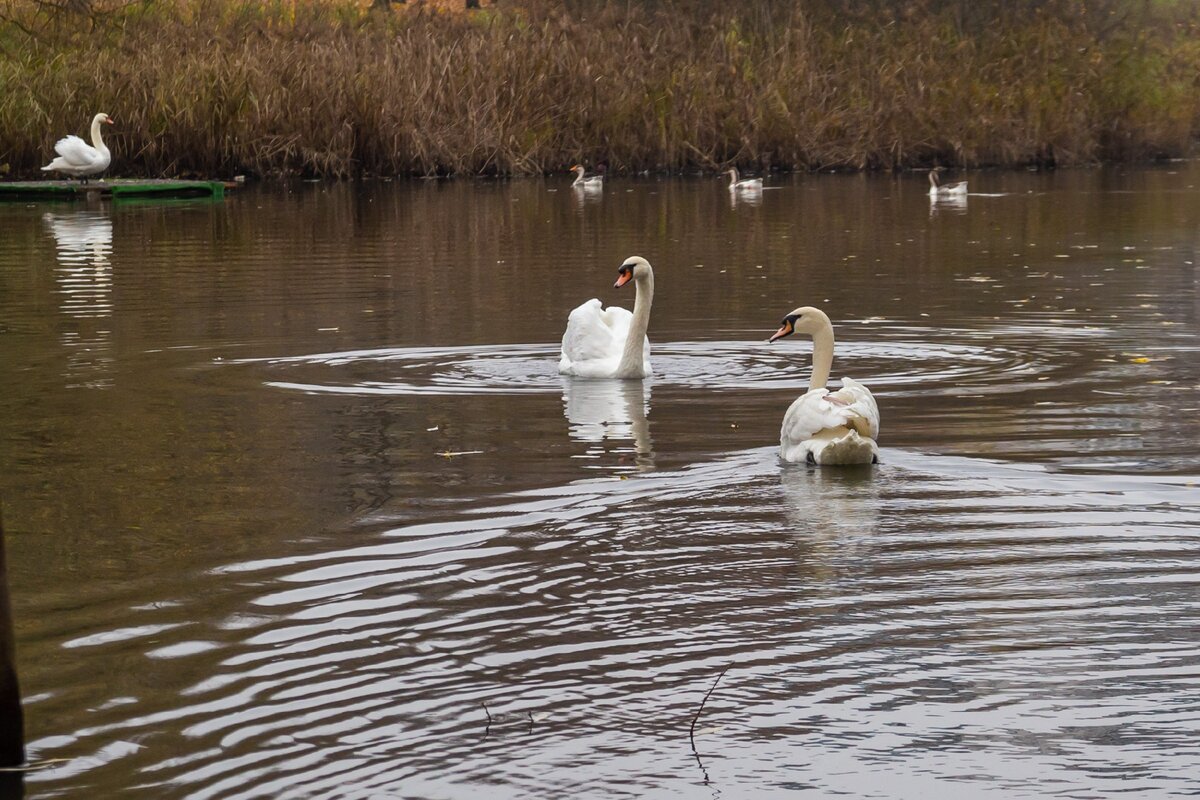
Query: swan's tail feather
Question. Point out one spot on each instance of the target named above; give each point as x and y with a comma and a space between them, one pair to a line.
848, 449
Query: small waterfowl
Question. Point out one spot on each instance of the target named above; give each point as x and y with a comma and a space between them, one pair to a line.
611, 342
824, 427
736, 184
938, 189
585, 181
77, 158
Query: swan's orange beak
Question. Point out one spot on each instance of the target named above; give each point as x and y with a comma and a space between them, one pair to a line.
623, 279
786, 330
109, 120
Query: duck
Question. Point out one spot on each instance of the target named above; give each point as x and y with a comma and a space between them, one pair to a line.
611, 342
823, 427
736, 184
937, 189
77, 158
584, 181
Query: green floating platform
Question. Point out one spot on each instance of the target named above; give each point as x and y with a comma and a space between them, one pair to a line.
73, 190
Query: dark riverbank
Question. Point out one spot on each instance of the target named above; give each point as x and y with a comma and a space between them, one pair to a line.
216, 87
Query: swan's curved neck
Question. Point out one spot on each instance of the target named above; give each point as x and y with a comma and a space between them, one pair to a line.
933, 179
822, 359
632, 359
733, 176
97, 141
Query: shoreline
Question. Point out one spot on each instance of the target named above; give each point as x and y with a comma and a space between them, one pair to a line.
235, 182
331, 89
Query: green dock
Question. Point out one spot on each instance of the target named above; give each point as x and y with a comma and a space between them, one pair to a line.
20, 191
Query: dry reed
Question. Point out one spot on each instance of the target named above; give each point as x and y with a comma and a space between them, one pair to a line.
337, 89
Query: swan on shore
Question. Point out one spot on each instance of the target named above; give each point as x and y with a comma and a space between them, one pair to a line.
823, 427
938, 189
77, 158
585, 181
737, 184
611, 342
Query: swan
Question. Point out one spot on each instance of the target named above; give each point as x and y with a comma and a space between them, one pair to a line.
823, 427
738, 185
611, 343
77, 158
588, 182
936, 189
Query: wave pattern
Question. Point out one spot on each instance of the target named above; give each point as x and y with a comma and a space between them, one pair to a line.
937, 622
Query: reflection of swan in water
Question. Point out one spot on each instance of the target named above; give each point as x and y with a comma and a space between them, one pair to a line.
610, 410
956, 203
834, 514
83, 238
745, 199
83, 245
832, 501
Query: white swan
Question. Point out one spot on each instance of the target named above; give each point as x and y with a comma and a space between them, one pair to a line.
823, 427
588, 182
738, 185
936, 189
77, 158
611, 342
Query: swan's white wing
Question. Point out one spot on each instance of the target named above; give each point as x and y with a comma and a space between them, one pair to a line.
862, 413
810, 414
852, 408
593, 334
76, 152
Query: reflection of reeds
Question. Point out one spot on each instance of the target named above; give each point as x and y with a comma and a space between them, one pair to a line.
333, 88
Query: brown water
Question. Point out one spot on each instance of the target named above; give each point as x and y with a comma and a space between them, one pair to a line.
296, 499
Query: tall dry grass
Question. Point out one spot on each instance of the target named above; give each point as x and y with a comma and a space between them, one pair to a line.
336, 88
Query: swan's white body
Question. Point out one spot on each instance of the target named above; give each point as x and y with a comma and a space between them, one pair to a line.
611, 342
936, 189
824, 427
77, 158
583, 181
738, 185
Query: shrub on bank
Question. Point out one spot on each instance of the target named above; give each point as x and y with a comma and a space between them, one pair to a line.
340, 88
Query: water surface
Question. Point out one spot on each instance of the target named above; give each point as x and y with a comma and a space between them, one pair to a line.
298, 505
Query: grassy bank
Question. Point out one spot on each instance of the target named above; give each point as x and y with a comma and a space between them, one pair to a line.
335, 88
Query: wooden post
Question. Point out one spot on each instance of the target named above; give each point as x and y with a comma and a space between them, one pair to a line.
12, 722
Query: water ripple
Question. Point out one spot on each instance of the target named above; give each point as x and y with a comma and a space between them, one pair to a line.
519, 369
934, 609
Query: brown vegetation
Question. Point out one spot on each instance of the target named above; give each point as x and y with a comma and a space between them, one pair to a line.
339, 88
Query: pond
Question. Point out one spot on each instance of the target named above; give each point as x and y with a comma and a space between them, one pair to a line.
298, 506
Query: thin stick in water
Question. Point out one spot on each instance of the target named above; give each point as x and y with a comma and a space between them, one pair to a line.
695, 719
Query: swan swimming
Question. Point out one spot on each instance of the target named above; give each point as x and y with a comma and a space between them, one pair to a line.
736, 184
77, 158
823, 427
611, 342
937, 189
584, 181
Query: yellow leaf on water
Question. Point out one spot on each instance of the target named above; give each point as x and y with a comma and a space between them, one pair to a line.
1140, 360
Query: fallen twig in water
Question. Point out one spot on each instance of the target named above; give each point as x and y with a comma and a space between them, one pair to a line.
695, 719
